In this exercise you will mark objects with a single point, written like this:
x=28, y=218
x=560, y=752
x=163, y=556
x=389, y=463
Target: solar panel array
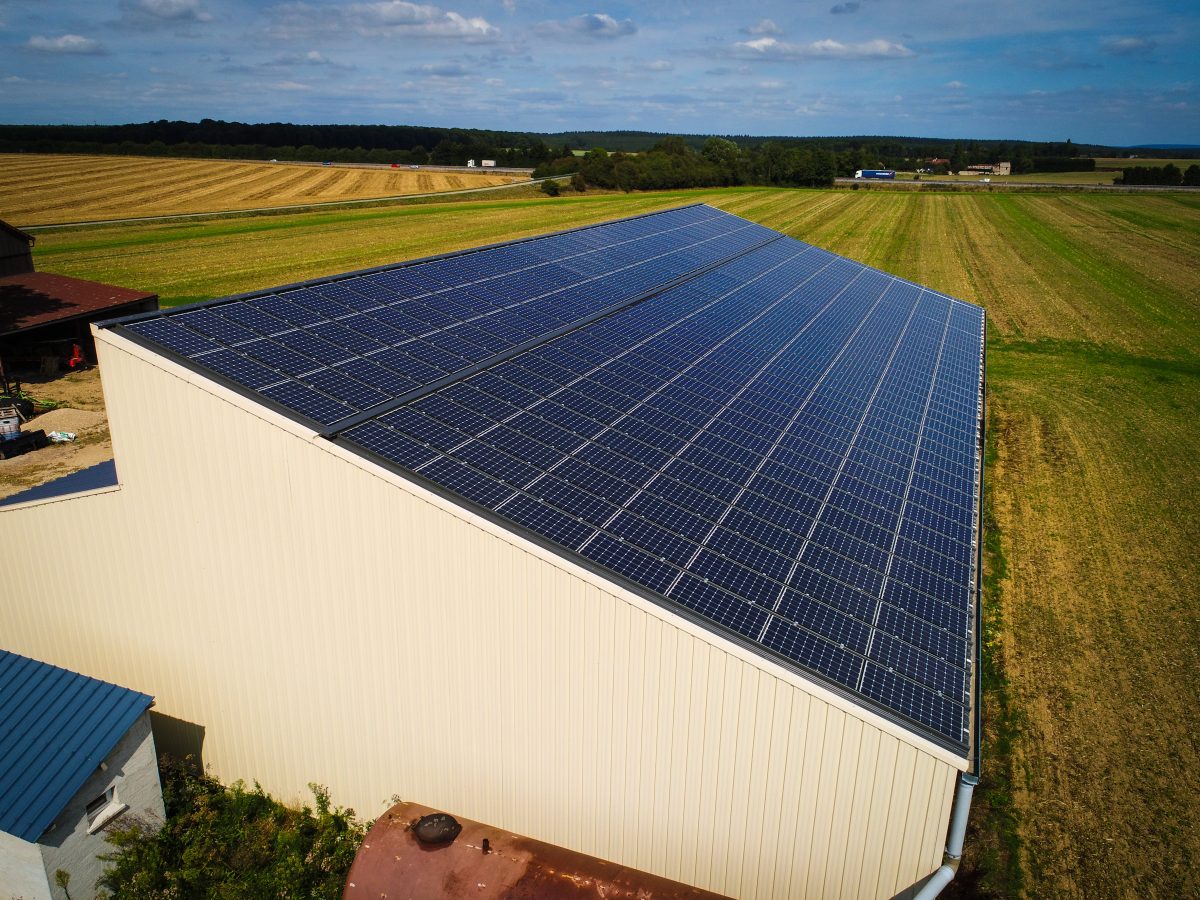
x=782, y=442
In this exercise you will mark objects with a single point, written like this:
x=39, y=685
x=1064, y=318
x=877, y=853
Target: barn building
x=16, y=250
x=45, y=319
x=76, y=756
x=656, y=539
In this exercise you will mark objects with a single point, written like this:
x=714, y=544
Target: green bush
x=230, y=842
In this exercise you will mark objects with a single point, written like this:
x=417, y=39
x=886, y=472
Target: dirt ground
x=80, y=409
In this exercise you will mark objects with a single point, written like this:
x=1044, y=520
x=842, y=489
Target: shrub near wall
x=230, y=842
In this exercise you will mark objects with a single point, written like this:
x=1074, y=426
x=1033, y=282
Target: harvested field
x=1091, y=757
x=44, y=189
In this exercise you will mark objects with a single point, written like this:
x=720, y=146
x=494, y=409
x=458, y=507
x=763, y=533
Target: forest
x=412, y=144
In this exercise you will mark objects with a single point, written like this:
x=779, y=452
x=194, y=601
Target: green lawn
x=1092, y=760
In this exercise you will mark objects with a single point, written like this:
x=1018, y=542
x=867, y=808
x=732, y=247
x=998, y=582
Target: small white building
x=76, y=756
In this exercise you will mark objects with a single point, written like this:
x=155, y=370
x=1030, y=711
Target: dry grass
x=43, y=189
x=1094, y=397
x=1094, y=487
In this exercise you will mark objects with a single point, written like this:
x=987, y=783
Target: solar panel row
x=328, y=351
x=663, y=454
x=783, y=442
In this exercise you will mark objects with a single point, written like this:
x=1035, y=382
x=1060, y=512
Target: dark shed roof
x=40, y=298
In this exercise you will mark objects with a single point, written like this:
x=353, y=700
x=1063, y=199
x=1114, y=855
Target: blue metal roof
x=58, y=727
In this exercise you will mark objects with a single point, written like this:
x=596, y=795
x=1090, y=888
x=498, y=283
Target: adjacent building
x=998, y=168
x=45, y=319
x=16, y=250
x=76, y=757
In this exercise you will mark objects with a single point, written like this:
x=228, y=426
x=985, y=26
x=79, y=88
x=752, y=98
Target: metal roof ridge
x=430, y=387
x=371, y=270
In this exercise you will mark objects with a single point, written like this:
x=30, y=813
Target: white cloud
x=149, y=14
x=590, y=26
x=442, y=70
x=771, y=48
x=290, y=86
x=311, y=58
x=763, y=26
x=66, y=43
x=771, y=85
x=955, y=85
x=14, y=79
x=386, y=18
x=1128, y=46
x=176, y=10
x=657, y=65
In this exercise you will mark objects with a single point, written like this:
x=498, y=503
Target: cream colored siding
x=325, y=620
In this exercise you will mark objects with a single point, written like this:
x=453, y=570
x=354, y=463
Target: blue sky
x=1089, y=70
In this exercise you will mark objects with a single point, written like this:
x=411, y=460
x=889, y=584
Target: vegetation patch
x=231, y=842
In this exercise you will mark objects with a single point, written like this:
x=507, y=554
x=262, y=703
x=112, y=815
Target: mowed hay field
x=1092, y=637
x=47, y=189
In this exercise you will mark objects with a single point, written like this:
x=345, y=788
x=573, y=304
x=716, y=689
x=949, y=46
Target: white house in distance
x=76, y=754
x=656, y=539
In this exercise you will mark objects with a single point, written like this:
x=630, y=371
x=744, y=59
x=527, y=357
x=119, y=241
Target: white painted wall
x=326, y=620
x=21, y=872
x=132, y=769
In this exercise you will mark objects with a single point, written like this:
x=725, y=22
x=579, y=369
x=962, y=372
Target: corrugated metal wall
x=326, y=623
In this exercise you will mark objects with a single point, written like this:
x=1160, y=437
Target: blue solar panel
x=783, y=443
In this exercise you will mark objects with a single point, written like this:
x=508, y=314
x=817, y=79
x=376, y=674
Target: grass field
x=1092, y=757
x=44, y=189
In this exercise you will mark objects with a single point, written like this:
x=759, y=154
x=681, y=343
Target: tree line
x=213, y=139
x=453, y=146
x=673, y=163
x=1169, y=175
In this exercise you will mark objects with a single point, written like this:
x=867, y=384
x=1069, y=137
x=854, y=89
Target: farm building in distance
x=16, y=250
x=76, y=753
x=45, y=319
x=1000, y=168
x=655, y=539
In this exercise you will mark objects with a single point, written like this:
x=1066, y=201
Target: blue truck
x=889, y=174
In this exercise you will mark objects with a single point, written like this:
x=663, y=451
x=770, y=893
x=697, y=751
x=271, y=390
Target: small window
x=104, y=809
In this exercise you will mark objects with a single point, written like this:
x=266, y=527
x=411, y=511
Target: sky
x=1093, y=71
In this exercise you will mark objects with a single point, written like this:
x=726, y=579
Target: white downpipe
x=954, y=839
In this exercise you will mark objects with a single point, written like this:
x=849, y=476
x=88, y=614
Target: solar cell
x=781, y=443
